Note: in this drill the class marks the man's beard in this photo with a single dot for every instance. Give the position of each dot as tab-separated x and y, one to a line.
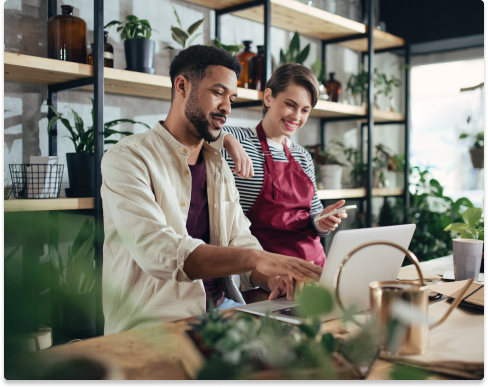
195	115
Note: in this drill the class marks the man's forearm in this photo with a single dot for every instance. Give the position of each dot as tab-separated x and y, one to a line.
207	262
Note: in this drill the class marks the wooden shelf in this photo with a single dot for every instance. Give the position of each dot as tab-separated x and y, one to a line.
356	193
28	205
294	16
26	68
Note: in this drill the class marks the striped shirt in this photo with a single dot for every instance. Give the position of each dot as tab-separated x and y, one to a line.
249	189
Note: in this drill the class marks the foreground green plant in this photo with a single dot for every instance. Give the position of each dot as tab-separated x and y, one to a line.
479	138
82	139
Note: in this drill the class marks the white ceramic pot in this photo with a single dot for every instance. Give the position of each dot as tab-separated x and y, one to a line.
331	175
467	255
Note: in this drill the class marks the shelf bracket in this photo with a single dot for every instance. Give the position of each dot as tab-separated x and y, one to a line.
70	85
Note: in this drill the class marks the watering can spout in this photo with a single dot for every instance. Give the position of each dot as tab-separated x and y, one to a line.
454	304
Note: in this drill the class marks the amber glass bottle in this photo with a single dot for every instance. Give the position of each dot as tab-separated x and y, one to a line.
108	52
66	36
256	71
333	88
244	57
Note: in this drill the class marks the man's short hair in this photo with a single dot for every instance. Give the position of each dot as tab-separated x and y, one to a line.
193	62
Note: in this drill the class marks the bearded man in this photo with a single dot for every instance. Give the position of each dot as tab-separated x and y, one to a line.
174	229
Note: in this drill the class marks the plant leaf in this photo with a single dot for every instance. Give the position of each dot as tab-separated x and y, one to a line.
112	23
456	227
176	15
472	215
294	46
195	26
314	301
303	55
190	41
282	57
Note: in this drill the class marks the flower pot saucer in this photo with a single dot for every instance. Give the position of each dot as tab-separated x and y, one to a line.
148	70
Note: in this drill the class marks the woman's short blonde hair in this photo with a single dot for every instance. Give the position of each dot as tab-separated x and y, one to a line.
293	73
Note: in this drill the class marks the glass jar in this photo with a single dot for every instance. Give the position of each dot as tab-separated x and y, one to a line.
244	57
333	88
108	52
66	36
256	71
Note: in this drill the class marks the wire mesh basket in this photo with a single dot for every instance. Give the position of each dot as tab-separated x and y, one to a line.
36	180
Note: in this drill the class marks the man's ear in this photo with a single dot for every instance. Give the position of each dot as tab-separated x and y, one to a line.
182	86
268	97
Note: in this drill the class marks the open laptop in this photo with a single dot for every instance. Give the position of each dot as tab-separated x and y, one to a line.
379	262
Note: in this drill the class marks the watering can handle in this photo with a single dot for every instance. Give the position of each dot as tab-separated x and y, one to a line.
454	304
409	254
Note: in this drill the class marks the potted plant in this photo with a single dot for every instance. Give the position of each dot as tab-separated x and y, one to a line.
181	36
329	167
468	250
386	87
232	49
77	282
139	48
384	161
81	167
293	54
478	150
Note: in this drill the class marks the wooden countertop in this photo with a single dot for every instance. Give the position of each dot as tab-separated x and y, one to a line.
152	353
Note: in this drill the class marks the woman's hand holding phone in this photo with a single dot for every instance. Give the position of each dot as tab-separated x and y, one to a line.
332	222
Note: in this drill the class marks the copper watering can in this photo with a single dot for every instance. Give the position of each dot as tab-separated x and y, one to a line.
383	297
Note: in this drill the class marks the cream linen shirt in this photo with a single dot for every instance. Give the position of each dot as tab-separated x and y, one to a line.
146	194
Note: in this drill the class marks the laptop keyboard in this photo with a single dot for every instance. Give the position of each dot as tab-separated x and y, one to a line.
289	311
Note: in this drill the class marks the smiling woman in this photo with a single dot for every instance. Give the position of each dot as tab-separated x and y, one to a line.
280	199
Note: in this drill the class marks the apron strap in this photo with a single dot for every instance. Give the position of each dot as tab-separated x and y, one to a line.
268	160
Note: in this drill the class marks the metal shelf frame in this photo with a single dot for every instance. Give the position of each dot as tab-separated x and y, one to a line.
98	96
369	113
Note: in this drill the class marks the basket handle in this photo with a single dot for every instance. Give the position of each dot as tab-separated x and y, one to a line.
408	253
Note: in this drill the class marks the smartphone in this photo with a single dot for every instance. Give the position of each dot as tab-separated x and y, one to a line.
337	211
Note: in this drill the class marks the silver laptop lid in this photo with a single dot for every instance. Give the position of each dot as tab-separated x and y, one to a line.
367	265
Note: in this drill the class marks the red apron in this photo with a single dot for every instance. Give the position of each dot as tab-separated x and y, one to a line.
280	216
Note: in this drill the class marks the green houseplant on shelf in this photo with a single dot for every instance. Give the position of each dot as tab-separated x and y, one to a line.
81	167
327	166
477	151
294	54
233	49
181	36
139	48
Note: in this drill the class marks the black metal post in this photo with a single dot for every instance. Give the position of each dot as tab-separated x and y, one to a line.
406	178
323	124
52	8
217	25
369	180
267	40
323	121
52	99
98	140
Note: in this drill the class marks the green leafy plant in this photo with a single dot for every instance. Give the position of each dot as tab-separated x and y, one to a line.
473	226
78	275
318	69
432	211
293	54
181	36
358	84
479	139
132	28
82	139
232	49
323	157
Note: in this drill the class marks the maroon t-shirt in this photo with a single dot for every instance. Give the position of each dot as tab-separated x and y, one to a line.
197	225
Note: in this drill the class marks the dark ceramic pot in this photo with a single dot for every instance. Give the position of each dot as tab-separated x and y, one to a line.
81	175
139	55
